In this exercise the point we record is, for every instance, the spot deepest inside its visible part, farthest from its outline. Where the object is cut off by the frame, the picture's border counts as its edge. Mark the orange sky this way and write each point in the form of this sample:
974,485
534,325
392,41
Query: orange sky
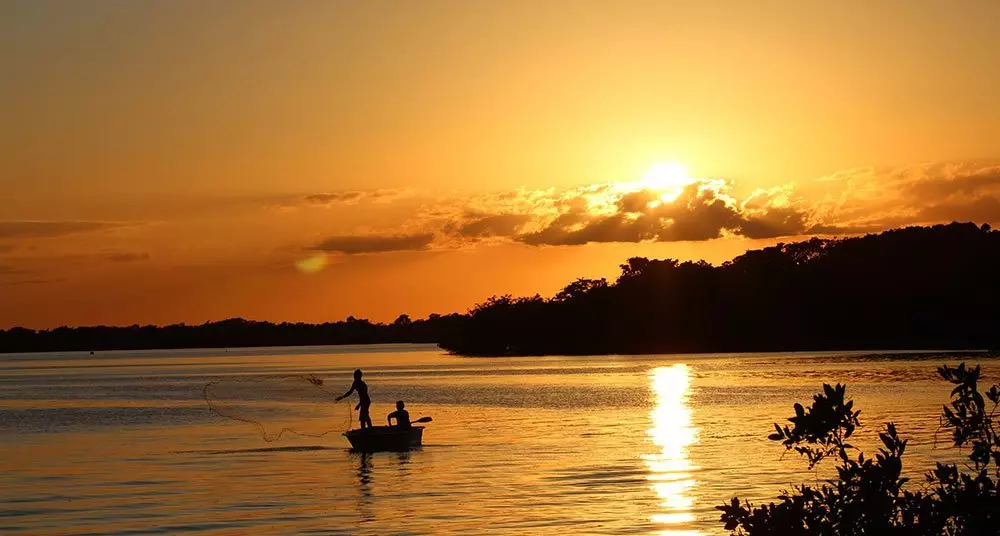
178,161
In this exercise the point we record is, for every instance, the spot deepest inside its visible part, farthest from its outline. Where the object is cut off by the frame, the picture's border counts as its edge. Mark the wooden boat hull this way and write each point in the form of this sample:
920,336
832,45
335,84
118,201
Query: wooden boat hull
385,438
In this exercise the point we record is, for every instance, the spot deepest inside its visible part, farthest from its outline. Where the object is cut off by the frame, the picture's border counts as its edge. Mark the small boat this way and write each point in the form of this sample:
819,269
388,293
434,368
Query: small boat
385,438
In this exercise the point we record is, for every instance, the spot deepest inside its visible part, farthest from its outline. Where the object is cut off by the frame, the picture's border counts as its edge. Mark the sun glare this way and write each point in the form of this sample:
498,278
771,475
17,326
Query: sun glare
668,178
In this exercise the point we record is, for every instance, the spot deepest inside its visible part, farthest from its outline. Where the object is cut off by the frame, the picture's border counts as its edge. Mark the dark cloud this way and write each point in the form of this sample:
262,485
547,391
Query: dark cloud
352,245
967,185
697,214
46,229
340,197
348,197
970,196
636,201
775,222
6,269
332,199
127,257
870,200
493,225
613,228
6,248
984,209
14,276
700,212
40,281
826,229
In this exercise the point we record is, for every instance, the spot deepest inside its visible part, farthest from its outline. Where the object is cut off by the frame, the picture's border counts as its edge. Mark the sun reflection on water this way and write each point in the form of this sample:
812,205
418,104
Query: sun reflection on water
670,470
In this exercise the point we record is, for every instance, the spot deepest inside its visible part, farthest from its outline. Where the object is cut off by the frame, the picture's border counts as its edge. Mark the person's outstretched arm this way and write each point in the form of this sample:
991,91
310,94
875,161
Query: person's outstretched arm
347,394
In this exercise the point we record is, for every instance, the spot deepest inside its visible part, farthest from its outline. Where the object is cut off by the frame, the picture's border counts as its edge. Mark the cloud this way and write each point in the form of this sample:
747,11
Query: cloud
128,257
984,209
966,185
850,202
339,198
38,281
774,223
826,229
46,229
6,269
613,228
919,194
7,248
329,199
14,276
772,213
357,244
966,195
702,210
494,225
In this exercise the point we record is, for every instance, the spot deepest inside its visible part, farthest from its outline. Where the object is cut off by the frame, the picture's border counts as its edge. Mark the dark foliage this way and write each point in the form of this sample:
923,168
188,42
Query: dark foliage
867,496
913,288
230,333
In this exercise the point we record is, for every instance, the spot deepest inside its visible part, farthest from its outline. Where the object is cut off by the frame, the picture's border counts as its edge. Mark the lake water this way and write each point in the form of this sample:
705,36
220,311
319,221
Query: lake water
124,442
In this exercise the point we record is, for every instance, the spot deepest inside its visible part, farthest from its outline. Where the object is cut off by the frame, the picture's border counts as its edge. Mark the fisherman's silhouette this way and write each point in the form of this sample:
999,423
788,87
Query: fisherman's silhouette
364,402
401,415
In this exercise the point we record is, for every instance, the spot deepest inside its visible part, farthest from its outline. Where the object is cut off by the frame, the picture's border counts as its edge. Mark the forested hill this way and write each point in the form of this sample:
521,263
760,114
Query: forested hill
914,288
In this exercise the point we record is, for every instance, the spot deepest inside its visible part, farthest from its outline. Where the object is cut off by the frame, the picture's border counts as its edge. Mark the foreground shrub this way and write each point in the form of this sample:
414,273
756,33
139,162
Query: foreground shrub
868,496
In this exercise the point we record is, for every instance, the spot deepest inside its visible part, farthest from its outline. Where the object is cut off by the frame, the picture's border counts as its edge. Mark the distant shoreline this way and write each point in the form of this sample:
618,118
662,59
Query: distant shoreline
241,350
913,353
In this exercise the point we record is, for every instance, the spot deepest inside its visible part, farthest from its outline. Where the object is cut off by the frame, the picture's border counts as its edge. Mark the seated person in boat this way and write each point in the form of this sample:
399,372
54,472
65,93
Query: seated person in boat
401,415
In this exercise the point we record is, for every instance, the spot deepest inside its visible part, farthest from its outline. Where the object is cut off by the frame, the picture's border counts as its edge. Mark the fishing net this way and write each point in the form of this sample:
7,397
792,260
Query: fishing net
280,405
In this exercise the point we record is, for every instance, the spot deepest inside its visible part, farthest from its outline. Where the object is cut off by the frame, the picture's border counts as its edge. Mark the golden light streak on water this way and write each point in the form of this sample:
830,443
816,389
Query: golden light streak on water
670,470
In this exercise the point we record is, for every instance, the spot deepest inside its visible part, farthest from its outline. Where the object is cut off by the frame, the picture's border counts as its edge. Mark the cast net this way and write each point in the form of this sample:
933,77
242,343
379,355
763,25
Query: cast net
280,405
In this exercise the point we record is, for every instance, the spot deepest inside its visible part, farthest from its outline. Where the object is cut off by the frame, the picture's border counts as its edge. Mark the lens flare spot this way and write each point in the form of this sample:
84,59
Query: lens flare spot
312,264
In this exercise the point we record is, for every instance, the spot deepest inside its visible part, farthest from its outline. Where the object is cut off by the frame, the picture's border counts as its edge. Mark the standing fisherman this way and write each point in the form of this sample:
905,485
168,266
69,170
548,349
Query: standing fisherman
364,402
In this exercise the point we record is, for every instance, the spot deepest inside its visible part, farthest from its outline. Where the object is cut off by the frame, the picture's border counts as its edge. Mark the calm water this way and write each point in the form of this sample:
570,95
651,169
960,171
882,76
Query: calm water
124,443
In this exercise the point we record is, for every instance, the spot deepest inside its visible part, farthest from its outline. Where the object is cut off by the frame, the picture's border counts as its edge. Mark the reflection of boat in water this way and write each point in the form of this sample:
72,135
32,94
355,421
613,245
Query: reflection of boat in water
385,438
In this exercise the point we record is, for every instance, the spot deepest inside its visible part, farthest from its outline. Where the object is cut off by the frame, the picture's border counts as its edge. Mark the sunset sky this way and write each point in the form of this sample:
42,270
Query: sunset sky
181,161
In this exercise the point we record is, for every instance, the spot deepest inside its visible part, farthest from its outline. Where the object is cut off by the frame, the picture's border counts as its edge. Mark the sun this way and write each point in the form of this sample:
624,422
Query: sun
666,175
667,178
662,184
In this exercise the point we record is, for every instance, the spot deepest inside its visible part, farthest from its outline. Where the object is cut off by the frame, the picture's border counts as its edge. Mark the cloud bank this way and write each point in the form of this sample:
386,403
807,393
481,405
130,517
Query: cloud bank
850,202
338,198
353,245
47,229
880,198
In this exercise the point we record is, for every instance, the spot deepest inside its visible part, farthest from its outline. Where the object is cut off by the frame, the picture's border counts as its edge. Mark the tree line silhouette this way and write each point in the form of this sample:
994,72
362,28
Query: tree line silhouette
911,288
231,333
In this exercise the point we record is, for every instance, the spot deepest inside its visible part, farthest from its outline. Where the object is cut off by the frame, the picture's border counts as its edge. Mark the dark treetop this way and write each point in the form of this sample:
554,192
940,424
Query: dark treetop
914,288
